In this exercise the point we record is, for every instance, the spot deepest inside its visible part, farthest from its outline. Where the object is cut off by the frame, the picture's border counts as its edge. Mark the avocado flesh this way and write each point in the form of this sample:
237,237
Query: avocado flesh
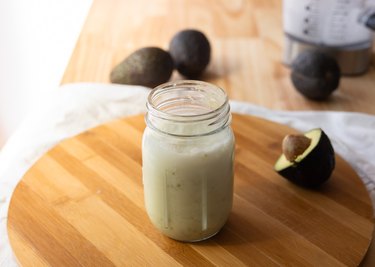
314,166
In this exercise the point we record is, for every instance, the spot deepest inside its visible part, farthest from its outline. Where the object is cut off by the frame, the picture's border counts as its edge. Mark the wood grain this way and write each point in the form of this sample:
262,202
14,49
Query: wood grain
246,38
82,204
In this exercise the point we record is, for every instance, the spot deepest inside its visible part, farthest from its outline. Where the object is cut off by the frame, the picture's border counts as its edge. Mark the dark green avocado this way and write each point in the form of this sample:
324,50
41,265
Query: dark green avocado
148,66
311,167
191,52
315,75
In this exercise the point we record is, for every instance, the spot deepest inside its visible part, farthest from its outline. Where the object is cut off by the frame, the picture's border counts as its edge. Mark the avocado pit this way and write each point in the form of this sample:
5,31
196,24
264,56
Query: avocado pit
295,145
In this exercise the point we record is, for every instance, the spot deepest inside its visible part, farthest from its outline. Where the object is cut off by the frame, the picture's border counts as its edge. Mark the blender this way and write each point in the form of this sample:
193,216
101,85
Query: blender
340,28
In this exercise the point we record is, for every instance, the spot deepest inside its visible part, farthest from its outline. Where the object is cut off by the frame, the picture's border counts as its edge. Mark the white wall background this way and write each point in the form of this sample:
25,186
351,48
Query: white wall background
37,38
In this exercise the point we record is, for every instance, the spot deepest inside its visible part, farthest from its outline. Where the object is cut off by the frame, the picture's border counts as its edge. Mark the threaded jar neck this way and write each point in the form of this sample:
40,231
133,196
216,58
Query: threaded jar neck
188,108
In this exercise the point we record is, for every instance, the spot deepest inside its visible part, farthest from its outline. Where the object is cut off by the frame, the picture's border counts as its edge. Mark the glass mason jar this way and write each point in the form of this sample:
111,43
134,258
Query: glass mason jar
187,153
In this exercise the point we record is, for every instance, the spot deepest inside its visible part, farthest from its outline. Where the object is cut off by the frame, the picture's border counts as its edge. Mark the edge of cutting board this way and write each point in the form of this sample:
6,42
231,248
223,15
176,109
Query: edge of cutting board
82,204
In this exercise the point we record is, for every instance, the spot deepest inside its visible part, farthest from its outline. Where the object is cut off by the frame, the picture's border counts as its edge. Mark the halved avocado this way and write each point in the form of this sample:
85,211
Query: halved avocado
311,167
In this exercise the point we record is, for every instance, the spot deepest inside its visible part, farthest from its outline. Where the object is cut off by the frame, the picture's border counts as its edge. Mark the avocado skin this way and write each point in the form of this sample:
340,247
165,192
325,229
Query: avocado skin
191,52
148,66
315,75
316,168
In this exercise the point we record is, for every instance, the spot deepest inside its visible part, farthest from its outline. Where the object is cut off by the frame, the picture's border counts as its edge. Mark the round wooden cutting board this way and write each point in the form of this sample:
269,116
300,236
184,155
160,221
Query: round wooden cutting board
82,204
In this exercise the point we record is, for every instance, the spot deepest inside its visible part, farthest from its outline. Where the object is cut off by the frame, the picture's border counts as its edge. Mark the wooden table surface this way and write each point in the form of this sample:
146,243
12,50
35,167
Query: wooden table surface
246,39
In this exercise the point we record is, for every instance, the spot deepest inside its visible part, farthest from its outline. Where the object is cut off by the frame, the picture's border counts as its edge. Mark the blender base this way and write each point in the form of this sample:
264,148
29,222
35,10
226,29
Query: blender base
353,60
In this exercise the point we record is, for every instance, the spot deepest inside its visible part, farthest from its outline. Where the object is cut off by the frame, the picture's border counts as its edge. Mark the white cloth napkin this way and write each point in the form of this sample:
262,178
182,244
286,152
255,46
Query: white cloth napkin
74,108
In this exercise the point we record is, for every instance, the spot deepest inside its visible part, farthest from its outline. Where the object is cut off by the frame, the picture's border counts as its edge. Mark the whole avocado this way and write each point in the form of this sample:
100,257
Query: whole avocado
149,66
191,52
315,74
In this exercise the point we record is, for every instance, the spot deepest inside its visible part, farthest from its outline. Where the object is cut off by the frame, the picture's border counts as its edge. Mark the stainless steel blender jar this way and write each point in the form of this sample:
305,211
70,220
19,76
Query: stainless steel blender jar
341,28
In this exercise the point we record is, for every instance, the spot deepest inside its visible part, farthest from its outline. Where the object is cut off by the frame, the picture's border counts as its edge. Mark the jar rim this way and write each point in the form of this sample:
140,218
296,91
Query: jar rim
151,107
